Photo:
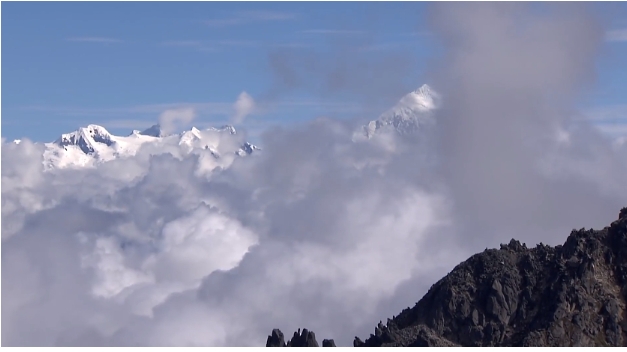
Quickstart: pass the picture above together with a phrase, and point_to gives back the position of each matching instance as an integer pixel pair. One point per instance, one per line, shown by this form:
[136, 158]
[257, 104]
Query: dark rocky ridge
[568, 295]
[305, 339]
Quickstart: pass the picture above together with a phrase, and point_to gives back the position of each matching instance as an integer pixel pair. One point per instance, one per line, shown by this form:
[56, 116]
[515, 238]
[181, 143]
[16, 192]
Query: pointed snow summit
[89, 139]
[408, 115]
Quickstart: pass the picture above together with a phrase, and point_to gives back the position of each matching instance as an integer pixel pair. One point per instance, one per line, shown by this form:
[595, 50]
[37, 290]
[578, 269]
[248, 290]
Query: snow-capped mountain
[408, 115]
[93, 144]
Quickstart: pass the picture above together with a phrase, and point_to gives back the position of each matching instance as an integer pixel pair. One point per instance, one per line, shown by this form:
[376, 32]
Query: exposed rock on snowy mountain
[86, 138]
[247, 148]
[153, 131]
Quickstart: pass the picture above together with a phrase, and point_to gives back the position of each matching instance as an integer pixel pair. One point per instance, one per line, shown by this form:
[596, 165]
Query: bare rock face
[305, 339]
[328, 343]
[569, 295]
[276, 339]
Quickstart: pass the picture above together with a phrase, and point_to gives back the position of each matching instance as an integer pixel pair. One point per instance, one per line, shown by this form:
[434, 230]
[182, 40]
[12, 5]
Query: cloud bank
[316, 231]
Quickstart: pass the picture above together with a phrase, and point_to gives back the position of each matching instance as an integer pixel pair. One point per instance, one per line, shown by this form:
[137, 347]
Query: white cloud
[149, 244]
[199, 244]
[173, 118]
[244, 106]
[316, 231]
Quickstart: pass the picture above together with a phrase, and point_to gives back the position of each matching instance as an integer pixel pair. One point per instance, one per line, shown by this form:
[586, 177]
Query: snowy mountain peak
[425, 90]
[188, 137]
[225, 128]
[229, 128]
[86, 138]
[412, 111]
[422, 99]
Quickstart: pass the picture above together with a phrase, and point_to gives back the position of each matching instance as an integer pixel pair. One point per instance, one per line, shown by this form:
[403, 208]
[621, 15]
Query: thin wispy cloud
[385, 46]
[617, 35]
[333, 31]
[247, 17]
[268, 15]
[206, 107]
[240, 43]
[223, 22]
[223, 44]
[127, 123]
[614, 129]
[182, 43]
[605, 114]
[292, 45]
[194, 44]
[611, 119]
[94, 40]
[202, 108]
[420, 34]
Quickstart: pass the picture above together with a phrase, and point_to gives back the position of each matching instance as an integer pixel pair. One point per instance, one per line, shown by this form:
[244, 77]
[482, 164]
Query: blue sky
[66, 65]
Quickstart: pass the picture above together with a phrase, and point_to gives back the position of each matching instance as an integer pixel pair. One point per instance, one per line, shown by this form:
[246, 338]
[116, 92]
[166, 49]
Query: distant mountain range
[93, 144]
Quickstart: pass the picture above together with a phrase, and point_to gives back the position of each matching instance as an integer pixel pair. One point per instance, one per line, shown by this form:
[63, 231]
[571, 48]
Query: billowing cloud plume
[244, 106]
[158, 253]
[172, 119]
[315, 231]
[511, 79]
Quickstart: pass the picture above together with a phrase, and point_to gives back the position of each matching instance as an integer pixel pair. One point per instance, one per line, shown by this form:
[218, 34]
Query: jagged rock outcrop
[276, 339]
[328, 343]
[569, 295]
[305, 338]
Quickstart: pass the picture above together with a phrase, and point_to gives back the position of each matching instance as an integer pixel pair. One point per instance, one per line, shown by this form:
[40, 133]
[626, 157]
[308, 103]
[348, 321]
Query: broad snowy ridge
[93, 144]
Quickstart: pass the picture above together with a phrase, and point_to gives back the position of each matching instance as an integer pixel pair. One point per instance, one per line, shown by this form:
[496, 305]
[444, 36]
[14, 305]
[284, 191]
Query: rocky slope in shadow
[568, 295]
